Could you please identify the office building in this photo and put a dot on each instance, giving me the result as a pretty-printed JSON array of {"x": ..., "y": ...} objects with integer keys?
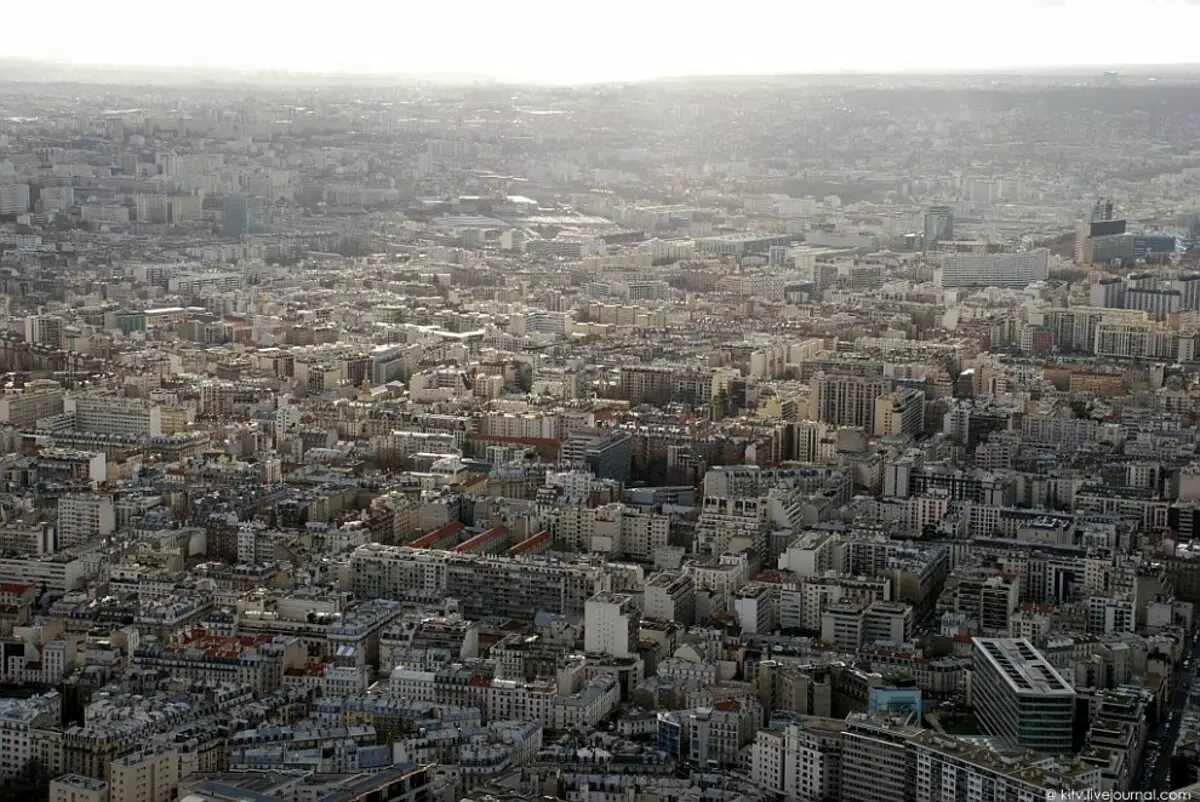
[
  {"x": 1020, "y": 697},
  {"x": 939, "y": 226},
  {"x": 1189, "y": 291},
  {"x": 38, "y": 399},
  {"x": 950, "y": 769},
  {"x": 487, "y": 585},
  {"x": 235, "y": 216},
  {"x": 607, "y": 453}
]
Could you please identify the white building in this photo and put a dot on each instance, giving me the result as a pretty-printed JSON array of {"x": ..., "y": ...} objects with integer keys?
[
  {"x": 993, "y": 269},
  {"x": 83, "y": 517},
  {"x": 14, "y": 198},
  {"x": 610, "y": 625},
  {"x": 18, "y": 717},
  {"x": 115, "y": 415}
]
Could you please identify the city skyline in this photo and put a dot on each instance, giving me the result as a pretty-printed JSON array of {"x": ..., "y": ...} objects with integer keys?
[{"x": 628, "y": 42}]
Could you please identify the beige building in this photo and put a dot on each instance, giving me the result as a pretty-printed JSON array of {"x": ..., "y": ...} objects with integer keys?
[{"x": 77, "y": 788}]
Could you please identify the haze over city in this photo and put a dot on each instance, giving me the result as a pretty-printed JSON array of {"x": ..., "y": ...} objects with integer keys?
[{"x": 555, "y": 42}]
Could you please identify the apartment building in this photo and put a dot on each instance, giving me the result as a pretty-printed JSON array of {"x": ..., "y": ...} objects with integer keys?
[
  {"x": 875, "y": 763},
  {"x": 82, "y": 517},
  {"x": 1016, "y": 270},
  {"x": 670, "y": 596},
  {"x": 611, "y": 622},
  {"x": 847, "y": 400},
  {"x": 18, "y": 719},
  {"x": 151, "y": 775},
  {"x": 77, "y": 788},
  {"x": 487, "y": 585},
  {"x": 955, "y": 770},
  {"x": 801, "y": 761}
]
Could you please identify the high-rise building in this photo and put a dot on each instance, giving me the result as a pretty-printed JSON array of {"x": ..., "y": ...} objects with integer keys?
[
  {"x": 875, "y": 764},
  {"x": 646, "y": 384},
  {"x": 847, "y": 400},
  {"x": 900, "y": 414},
  {"x": 939, "y": 225},
  {"x": 235, "y": 216},
  {"x": 1109, "y": 293},
  {"x": 1015, "y": 270},
  {"x": 1158, "y": 302},
  {"x": 150, "y": 207},
  {"x": 1189, "y": 291},
  {"x": 44, "y": 330},
  {"x": 1020, "y": 697},
  {"x": 14, "y": 199},
  {"x": 610, "y": 625},
  {"x": 82, "y": 517}
]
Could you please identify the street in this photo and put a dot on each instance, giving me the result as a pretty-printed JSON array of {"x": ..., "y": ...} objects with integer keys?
[{"x": 1156, "y": 772}]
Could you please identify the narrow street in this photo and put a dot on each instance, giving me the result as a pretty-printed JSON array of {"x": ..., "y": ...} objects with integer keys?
[{"x": 1168, "y": 732}]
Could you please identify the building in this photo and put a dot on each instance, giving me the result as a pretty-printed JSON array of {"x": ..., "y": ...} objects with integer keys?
[
  {"x": 115, "y": 415},
  {"x": 14, "y": 199},
  {"x": 487, "y": 585},
  {"x": 670, "y": 596},
  {"x": 1015, "y": 270},
  {"x": 741, "y": 244},
  {"x": 606, "y": 453},
  {"x": 847, "y": 400},
  {"x": 1159, "y": 303},
  {"x": 900, "y": 414},
  {"x": 1109, "y": 293},
  {"x": 81, "y": 517},
  {"x": 801, "y": 762},
  {"x": 875, "y": 764},
  {"x": 949, "y": 769},
  {"x": 939, "y": 226},
  {"x": 18, "y": 719},
  {"x": 1020, "y": 697},
  {"x": 44, "y": 330},
  {"x": 77, "y": 788},
  {"x": 41, "y": 399},
  {"x": 145, "y": 776},
  {"x": 235, "y": 216},
  {"x": 610, "y": 625}
]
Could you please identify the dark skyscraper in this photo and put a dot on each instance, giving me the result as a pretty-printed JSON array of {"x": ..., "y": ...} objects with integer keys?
[
  {"x": 939, "y": 225},
  {"x": 235, "y": 216}
]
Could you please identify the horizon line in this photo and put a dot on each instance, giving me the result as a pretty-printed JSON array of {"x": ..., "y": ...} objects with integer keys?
[{"x": 445, "y": 77}]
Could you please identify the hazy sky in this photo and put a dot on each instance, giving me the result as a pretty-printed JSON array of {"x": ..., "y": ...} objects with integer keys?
[{"x": 576, "y": 40}]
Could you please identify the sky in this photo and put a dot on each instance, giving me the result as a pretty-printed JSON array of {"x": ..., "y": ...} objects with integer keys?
[{"x": 571, "y": 41}]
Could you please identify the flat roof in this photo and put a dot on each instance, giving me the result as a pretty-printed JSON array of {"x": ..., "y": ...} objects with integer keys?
[{"x": 1024, "y": 668}]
